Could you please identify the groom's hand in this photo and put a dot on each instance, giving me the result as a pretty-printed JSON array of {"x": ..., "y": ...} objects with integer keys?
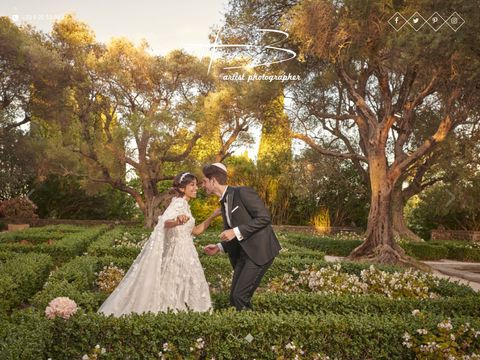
[
  {"x": 227, "y": 235},
  {"x": 211, "y": 249}
]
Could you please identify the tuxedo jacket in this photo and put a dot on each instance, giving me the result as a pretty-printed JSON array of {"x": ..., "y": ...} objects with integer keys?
[{"x": 247, "y": 212}]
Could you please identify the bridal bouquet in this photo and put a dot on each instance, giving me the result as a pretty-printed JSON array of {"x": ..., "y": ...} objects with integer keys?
[{"x": 62, "y": 307}]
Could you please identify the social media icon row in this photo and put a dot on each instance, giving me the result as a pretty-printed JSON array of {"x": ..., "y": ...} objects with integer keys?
[{"x": 417, "y": 21}]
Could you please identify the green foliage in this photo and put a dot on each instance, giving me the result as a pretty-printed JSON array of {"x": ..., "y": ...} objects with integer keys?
[
  {"x": 33, "y": 235},
  {"x": 350, "y": 336},
  {"x": 87, "y": 300},
  {"x": 27, "y": 335},
  {"x": 65, "y": 198},
  {"x": 113, "y": 243},
  {"x": 342, "y": 327},
  {"x": 461, "y": 251},
  {"x": 202, "y": 207},
  {"x": 317, "y": 304},
  {"x": 21, "y": 277},
  {"x": 444, "y": 341},
  {"x": 322, "y": 182},
  {"x": 61, "y": 245},
  {"x": 325, "y": 244},
  {"x": 426, "y": 251},
  {"x": 453, "y": 206}
]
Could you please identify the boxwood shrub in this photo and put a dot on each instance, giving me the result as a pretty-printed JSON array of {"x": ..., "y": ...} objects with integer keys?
[
  {"x": 21, "y": 277},
  {"x": 225, "y": 333}
]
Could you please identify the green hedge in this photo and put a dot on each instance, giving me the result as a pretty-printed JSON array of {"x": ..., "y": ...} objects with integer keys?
[
  {"x": 425, "y": 251},
  {"x": 419, "y": 250},
  {"x": 103, "y": 246},
  {"x": 39, "y": 235},
  {"x": 329, "y": 246},
  {"x": 69, "y": 245},
  {"x": 21, "y": 277},
  {"x": 442, "y": 250},
  {"x": 76, "y": 280},
  {"x": 32, "y": 235},
  {"x": 7, "y": 255},
  {"x": 459, "y": 250},
  {"x": 221, "y": 265},
  {"x": 308, "y": 303},
  {"x": 350, "y": 336},
  {"x": 27, "y": 335},
  {"x": 213, "y": 266}
]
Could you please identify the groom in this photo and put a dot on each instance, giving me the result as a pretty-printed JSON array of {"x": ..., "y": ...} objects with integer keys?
[{"x": 248, "y": 237}]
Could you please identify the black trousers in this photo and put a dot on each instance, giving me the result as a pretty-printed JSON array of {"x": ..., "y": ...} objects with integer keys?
[{"x": 246, "y": 279}]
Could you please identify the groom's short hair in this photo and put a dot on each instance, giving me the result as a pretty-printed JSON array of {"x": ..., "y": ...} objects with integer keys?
[{"x": 212, "y": 171}]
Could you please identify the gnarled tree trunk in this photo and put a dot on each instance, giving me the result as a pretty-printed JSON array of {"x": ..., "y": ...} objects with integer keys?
[
  {"x": 380, "y": 245},
  {"x": 155, "y": 204},
  {"x": 400, "y": 228}
]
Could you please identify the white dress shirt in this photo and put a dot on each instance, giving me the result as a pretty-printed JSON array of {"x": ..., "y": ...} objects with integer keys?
[{"x": 237, "y": 232}]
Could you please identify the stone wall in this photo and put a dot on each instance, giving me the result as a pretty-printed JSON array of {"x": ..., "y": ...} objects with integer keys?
[{"x": 45, "y": 222}]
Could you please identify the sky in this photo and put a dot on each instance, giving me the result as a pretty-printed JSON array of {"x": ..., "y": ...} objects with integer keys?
[{"x": 165, "y": 24}]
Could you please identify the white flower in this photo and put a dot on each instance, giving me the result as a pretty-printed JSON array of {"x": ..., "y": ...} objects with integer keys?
[
  {"x": 445, "y": 324},
  {"x": 85, "y": 357},
  {"x": 200, "y": 343},
  {"x": 422, "y": 331},
  {"x": 415, "y": 312},
  {"x": 290, "y": 345}
]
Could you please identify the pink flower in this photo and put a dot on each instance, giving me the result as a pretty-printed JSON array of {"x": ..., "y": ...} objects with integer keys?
[{"x": 62, "y": 307}]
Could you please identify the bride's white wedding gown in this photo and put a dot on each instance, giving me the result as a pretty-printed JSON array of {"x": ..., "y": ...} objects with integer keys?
[{"x": 166, "y": 275}]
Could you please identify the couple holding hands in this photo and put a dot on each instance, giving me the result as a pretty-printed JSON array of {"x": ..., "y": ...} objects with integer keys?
[{"x": 167, "y": 274}]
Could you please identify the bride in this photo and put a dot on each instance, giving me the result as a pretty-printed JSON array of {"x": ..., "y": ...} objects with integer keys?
[{"x": 167, "y": 274}]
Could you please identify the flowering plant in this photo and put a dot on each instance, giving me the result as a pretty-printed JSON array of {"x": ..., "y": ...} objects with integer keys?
[
  {"x": 348, "y": 235},
  {"x": 63, "y": 307},
  {"x": 95, "y": 353},
  {"x": 444, "y": 342},
  {"x": 109, "y": 278},
  {"x": 331, "y": 280},
  {"x": 293, "y": 351},
  {"x": 129, "y": 240},
  {"x": 224, "y": 283}
]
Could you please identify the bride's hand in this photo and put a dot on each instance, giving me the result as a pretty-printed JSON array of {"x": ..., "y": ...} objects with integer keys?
[
  {"x": 182, "y": 219},
  {"x": 217, "y": 212}
]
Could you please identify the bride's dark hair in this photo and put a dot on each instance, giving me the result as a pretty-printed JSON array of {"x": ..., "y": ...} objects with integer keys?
[{"x": 179, "y": 183}]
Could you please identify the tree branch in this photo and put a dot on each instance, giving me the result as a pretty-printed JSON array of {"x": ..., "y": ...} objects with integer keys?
[
  {"x": 308, "y": 140},
  {"x": 179, "y": 157}
]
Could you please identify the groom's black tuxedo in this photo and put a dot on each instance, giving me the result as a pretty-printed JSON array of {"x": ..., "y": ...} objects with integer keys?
[
  {"x": 247, "y": 212},
  {"x": 253, "y": 255}
]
